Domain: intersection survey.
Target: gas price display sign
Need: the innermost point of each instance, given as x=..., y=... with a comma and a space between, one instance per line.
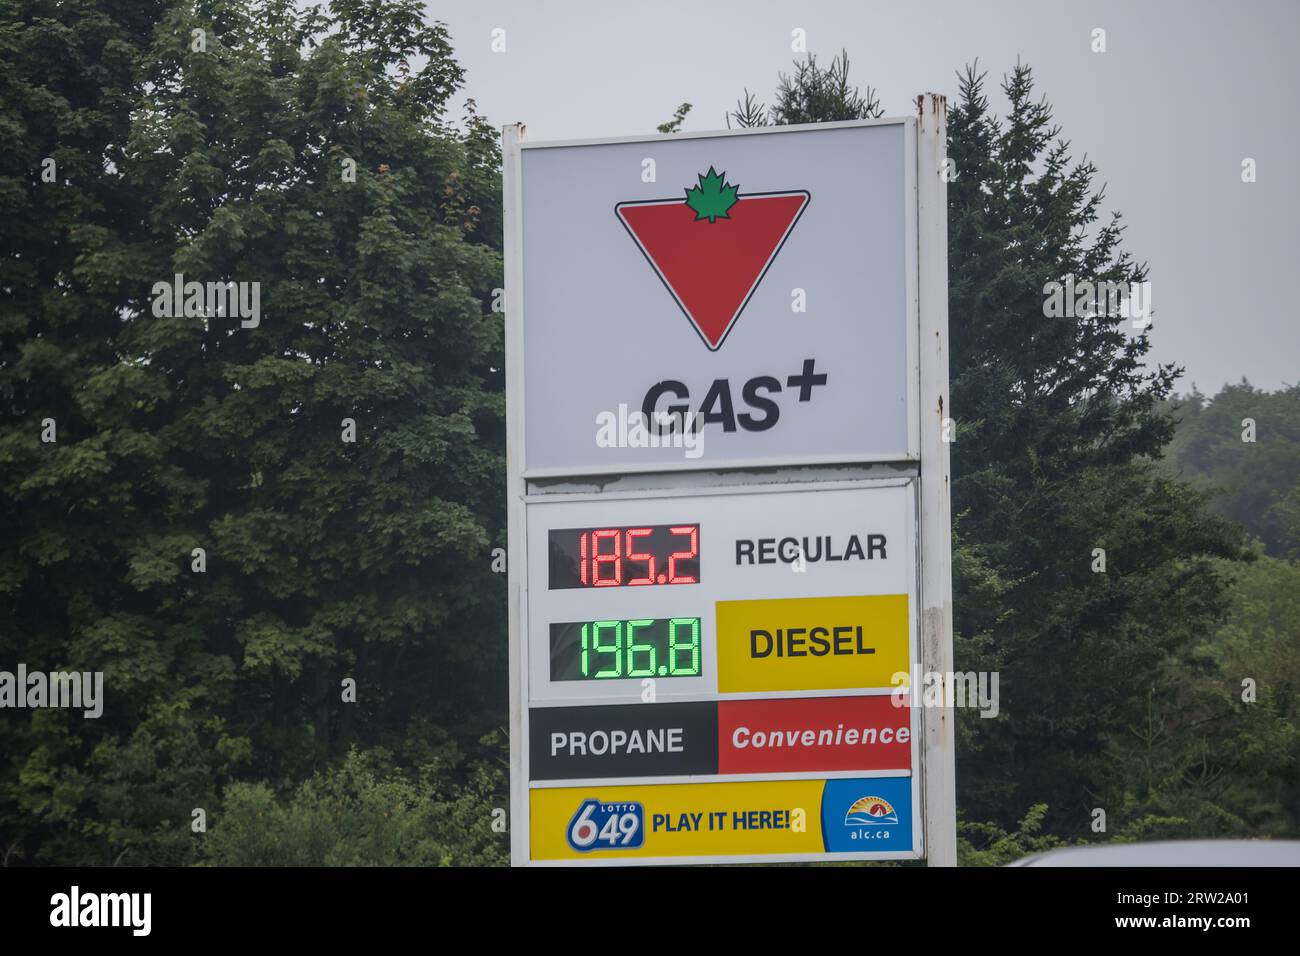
x=614, y=557
x=716, y=491
x=610, y=650
x=735, y=633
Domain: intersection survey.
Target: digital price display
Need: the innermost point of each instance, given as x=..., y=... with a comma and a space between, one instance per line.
x=609, y=650
x=617, y=557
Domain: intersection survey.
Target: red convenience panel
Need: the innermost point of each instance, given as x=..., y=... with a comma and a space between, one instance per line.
x=813, y=734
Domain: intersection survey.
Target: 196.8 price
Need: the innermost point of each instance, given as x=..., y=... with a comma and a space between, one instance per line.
x=610, y=650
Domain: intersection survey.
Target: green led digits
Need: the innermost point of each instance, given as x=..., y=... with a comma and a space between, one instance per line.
x=691, y=645
x=633, y=648
x=609, y=650
x=601, y=647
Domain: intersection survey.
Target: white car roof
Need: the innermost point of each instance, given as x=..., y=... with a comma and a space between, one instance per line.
x=1173, y=853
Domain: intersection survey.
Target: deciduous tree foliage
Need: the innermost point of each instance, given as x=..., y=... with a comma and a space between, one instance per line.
x=217, y=141
x=312, y=152
x=1217, y=749
x=1256, y=481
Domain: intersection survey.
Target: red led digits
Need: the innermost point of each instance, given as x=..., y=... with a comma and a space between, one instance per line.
x=693, y=531
x=597, y=558
x=632, y=555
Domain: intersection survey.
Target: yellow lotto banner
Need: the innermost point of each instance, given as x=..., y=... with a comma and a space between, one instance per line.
x=687, y=819
x=825, y=643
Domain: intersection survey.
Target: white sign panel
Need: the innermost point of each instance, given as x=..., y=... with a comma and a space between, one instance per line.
x=597, y=565
x=708, y=301
x=706, y=666
x=733, y=654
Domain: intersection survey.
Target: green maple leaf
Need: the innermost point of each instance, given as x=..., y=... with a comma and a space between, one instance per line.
x=712, y=197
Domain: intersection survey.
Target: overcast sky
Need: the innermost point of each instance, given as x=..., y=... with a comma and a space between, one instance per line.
x=1184, y=92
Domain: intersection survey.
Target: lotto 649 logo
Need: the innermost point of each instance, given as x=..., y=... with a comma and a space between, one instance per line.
x=607, y=826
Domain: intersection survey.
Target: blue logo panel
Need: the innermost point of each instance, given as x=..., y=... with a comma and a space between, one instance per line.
x=869, y=815
x=600, y=825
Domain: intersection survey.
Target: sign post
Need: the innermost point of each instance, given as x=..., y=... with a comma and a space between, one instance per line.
x=728, y=502
x=936, y=503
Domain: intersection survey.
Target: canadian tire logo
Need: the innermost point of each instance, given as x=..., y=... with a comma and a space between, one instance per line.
x=712, y=249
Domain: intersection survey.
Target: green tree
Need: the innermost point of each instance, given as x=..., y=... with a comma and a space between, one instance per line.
x=1244, y=445
x=366, y=812
x=674, y=125
x=811, y=94
x=985, y=844
x=310, y=152
x=1217, y=752
x=1058, y=425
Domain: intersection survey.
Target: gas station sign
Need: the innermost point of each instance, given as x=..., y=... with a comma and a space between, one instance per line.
x=716, y=493
x=760, y=286
x=683, y=594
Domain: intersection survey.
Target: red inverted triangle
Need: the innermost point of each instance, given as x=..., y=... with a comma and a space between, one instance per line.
x=713, y=268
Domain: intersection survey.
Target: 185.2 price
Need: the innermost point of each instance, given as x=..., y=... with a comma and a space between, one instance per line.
x=607, y=826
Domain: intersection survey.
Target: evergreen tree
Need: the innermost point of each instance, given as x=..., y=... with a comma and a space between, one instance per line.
x=1058, y=424
x=810, y=95
x=1059, y=421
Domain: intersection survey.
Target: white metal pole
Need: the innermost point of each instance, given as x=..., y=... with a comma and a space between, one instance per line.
x=938, y=784
x=516, y=558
